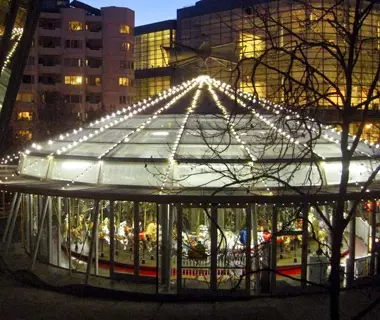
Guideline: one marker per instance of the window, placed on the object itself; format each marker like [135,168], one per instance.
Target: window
[93,81]
[94,98]
[123,100]
[75,26]
[24,134]
[124,82]
[74,98]
[74,44]
[124,28]
[73,62]
[25,115]
[74,80]
[27,78]
[25,97]
[124,64]
[30,61]
[126,46]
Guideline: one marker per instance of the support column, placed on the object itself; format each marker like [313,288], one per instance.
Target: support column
[40,230]
[13,223]
[59,222]
[112,239]
[10,216]
[256,249]
[305,244]
[273,257]
[179,248]
[373,238]
[164,222]
[214,244]
[94,220]
[248,264]
[50,230]
[27,222]
[351,248]
[136,238]
[68,241]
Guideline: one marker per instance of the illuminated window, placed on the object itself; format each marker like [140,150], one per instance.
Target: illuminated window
[251,46]
[149,52]
[24,134]
[124,82]
[126,46]
[74,80]
[25,97]
[25,115]
[93,81]
[124,28]
[75,26]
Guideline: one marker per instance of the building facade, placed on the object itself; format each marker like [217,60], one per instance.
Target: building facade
[152,71]
[223,39]
[84,54]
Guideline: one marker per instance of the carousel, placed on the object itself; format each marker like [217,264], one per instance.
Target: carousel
[161,192]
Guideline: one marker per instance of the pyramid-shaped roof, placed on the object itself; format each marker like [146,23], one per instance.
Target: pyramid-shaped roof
[198,135]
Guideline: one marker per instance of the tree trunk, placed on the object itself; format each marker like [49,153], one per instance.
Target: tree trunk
[334,288]
[17,70]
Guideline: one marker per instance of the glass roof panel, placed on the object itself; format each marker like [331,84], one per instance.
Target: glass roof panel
[166,122]
[202,151]
[154,136]
[278,151]
[206,122]
[211,136]
[132,123]
[89,149]
[130,150]
[327,150]
[110,135]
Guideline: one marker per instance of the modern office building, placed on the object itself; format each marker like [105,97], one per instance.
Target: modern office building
[85,54]
[152,71]
[213,36]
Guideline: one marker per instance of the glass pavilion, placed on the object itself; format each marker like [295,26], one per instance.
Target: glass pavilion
[188,190]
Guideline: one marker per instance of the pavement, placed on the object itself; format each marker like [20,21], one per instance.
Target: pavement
[21,301]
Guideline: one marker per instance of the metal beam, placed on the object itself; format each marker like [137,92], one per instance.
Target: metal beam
[94,220]
[42,221]
[214,247]
[13,223]
[273,247]
[179,248]
[305,244]
[10,215]
[373,238]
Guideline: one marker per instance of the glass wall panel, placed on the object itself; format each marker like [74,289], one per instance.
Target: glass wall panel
[124,237]
[196,248]
[150,239]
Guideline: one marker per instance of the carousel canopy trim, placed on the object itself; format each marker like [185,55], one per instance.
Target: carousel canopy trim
[189,137]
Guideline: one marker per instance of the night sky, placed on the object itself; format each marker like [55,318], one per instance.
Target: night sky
[146,11]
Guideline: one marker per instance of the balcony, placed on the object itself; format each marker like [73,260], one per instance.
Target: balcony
[97,53]
[49,32]
[96,35]
[94,71]
[50,50]
[50,69]
[93,89]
